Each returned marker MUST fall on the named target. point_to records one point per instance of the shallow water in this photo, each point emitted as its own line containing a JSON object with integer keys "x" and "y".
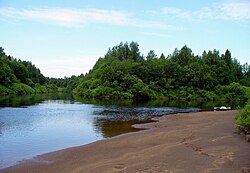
{"x": 40, "y": 124}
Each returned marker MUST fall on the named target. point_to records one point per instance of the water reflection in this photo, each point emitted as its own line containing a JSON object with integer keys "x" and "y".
{"x": 109, "y": 128}
{"x": 48, "y": 126}
{"x": 36, "y": 124}
{"x": 207, "y": 105}
{"x": 113, "y": 120}
{"x": 27, "y": 100}
{"x": 22, "y": 101}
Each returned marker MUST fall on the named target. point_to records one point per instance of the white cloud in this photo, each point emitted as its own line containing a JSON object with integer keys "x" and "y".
{"x": 204, "y": 12}
{"x": 67, "y": 17}
{"x": 154, "y": 34}
{"x": 177, "y": 12}
{"x": 80, "y": 17}
{"x": 228, "y": 10}
{"x": 236, "y": 10}
{"x": 153, "y": 25}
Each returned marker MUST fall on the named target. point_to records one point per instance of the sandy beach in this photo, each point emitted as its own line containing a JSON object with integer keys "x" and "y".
{"x": 179, "y": 143}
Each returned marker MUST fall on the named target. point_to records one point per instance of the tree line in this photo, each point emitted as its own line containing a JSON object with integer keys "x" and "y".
{"x": 23, "y": 77}
{"x": 124, "y": 73}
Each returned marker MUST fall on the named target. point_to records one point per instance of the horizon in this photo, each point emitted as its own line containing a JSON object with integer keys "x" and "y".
{"x": 65, "y": 39}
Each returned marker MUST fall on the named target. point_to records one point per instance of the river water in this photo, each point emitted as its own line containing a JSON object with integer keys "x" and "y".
{"x": 33, "y": 125}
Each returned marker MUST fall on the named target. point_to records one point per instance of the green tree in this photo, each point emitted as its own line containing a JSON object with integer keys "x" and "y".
{"x": 134, "y": 52}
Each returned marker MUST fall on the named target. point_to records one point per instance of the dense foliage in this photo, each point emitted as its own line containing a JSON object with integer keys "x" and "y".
{"x": 243, "y": 119}
{"x": 22, "y": 77}
{"x": 66, "y": 84}
{"x": 13, "y": 70}
{"x": 124, "y": 73}
{"x": 18, "y": 76}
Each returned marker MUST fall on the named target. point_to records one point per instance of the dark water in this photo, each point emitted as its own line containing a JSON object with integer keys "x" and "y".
{"x": 36, "y": 124}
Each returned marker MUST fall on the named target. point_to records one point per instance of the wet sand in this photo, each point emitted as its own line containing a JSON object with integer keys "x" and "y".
{"x": 179, "y": 143}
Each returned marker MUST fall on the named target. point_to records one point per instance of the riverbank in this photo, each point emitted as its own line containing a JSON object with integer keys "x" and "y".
{"x": 185, "y": 142}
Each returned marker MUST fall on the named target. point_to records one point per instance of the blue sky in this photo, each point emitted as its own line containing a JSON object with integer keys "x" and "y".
{"x": 66, "y": 37}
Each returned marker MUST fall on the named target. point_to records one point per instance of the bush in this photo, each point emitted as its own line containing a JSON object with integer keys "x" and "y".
{"x": 247, "y": 92}
{"x": 40, "y": 89}
{"x": 20, "y": 89}
{"x": 5, "y": 91}
{"x": 243, "y": 119}
{"x": 102, "y": 91}
{"x": 123, "y": 95}
{"x": 208, "y": 95}
{"x": 61, "y": 90}
{"x": 233, "y": 91}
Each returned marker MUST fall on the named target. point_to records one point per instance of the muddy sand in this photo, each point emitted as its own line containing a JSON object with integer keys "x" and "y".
{"x": 179, "y": 143}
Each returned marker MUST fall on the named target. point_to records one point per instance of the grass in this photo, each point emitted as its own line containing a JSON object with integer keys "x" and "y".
{"x": 243, "y": 118}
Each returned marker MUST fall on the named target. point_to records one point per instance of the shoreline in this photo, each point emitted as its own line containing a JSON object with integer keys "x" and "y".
{"x": 137, "y": 130}
{"x": 208, "y": 138}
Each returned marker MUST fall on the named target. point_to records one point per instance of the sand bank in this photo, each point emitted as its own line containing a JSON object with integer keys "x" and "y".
{"x": 178, "y": 143}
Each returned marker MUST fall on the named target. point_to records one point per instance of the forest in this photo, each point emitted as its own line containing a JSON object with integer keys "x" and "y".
{"x": 124, "y": 73}
{"x": 22, "y": 77}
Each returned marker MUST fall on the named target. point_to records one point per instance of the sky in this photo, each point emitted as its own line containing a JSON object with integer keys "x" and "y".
{"x": 66, "y": 37}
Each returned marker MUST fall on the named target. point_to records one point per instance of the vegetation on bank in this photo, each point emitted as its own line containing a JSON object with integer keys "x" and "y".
{"x": 243, "y": 118}
{"x": 22, "y": 77}
{"x": 19, "y": 77}
{"x": 124, "y": 73}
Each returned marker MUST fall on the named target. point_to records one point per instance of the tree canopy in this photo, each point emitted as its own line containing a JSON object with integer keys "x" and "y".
{"x": 124, "y": 72}
{"x": 13, "y": 70}
{"x": 23, "y": 77}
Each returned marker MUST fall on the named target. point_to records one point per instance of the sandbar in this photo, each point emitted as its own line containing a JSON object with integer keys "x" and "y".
{"x": 201, "y": 142}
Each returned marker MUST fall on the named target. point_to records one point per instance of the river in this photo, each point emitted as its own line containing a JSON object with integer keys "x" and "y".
{"x": 36, "y": 124}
